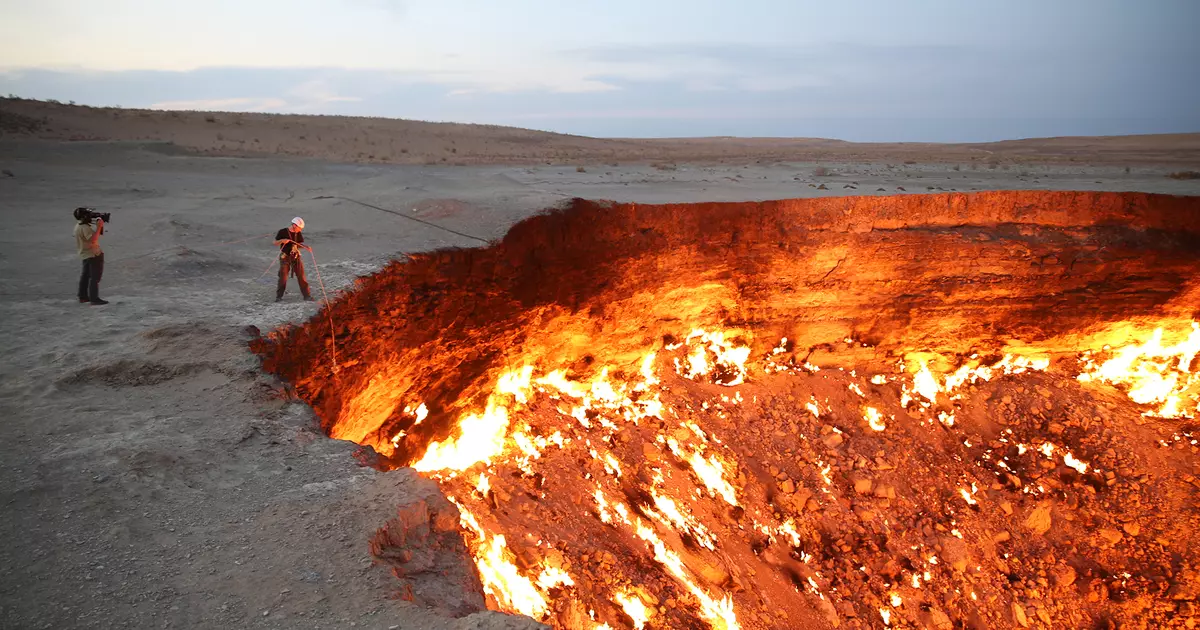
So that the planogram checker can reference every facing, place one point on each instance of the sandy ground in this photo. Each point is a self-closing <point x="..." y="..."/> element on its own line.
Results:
<point x="152" y="476"/>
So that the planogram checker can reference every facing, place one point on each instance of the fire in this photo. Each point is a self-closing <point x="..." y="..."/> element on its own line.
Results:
<point x="1153" y="374"/>
<point x="481" y="437"/>
<point x="600" y="406"/>
<point x="712" y="473"/>
<point x="501" y="578"/>
<point x="925" y="384"/>
<point x="634" y="607"/>
<point x="1070" y="460"/>
<point x="719" y="613"/>
<point x="874" y="418"/>
<point x="729" y="360"/>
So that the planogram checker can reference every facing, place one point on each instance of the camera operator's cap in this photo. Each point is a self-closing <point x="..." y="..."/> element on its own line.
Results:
<point x="298" y="222"/>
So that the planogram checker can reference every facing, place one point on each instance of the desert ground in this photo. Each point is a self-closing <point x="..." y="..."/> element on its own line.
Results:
<point x="153" y="476"/>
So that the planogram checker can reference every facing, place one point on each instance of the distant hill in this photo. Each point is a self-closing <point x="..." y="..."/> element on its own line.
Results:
<point x="388" y="140"/>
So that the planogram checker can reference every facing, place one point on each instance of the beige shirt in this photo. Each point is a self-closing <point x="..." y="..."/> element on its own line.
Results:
<point x="83" y="240"/>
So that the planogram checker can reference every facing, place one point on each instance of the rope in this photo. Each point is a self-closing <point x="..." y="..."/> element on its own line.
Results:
<point x="274" y="259"/>
<point x="401" y="214"/>
<point x="328" y="311"/>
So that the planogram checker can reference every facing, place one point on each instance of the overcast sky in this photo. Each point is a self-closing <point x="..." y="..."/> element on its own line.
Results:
<point x="912" y="70"/>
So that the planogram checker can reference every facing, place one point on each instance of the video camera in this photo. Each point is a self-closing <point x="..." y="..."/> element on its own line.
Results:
<point x="90" y="214"/>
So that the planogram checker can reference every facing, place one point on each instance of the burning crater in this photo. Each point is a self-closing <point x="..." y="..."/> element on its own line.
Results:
<point x="945" y="411"/>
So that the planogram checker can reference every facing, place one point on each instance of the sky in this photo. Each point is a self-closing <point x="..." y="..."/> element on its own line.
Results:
<point x="883" y="70"/>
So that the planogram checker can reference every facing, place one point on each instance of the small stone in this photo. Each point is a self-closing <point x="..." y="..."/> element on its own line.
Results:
<point x="1038" y="521"/>
<point x="862" y="485"/>
<point x="1002" y="537"/>
<point x="935" y="619"/>
<point x="833" y="440"/>
<point x="1111" y="536"/>
<point x="1133" y="529"/>
<point x="955" y="553"/>
<point x="787" y="486"/>
<point x="1018" y="613"/>
<point x="1062" y="575"/>
<point x="1007" y="507"/>
<point x="266" y="612"/>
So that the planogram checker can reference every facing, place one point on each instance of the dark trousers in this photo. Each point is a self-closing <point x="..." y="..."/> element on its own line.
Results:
<point x="295" y="266"/>
<point x="89" y="279"/>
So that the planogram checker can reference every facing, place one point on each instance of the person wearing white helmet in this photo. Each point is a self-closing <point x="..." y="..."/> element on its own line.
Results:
<point x="290" y="240"/>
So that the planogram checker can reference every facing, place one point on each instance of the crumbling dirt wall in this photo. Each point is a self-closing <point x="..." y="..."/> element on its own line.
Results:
<point x="950" y="274"/>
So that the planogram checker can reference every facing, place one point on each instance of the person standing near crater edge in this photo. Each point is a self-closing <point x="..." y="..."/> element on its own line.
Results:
<point x="290" y="241"/>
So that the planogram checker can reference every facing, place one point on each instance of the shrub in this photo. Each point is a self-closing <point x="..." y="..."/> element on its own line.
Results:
<point x="820" y="171"/>
<point x="580" y="169"/>
<point x="1185" y="175"/>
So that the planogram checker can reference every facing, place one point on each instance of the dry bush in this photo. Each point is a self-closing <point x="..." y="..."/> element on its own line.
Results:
<point x="664" y="166"/>
<point x="580" y="169"/>
<point x="1185" y="175"/>
<point x="820" y="171"/>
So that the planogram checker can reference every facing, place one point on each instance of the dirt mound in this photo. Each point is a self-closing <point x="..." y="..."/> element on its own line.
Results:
<point x="945" y="410"/>
<point x="133" y="373"/>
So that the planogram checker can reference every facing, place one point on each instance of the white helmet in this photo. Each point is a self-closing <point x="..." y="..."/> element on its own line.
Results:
<point x="298" y="222"/>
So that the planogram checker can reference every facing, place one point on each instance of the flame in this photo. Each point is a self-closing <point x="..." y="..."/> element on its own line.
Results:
<point x="502" y="580"/>
<point x="925" y="384"/>
<point x="1070" y="460"/>
<point x="500" y="577"/>
<point x="719" y="613"/>
<point x="730" y="360"/>
<point x="483" y="485"/>
<point x="712" y="473"/>
<point x="874" y="418"/>
<point x="634" y="607"/>
<point x="1153" y="374"/>
<point x="481" y="437"/>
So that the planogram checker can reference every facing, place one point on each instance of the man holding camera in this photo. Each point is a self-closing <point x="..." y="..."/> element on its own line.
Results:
<point x="290" y="241"/>
<point x="87" y="241"/>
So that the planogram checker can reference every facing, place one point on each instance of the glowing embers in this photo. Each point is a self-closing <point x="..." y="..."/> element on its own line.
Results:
<point x="1153" y="374"/>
